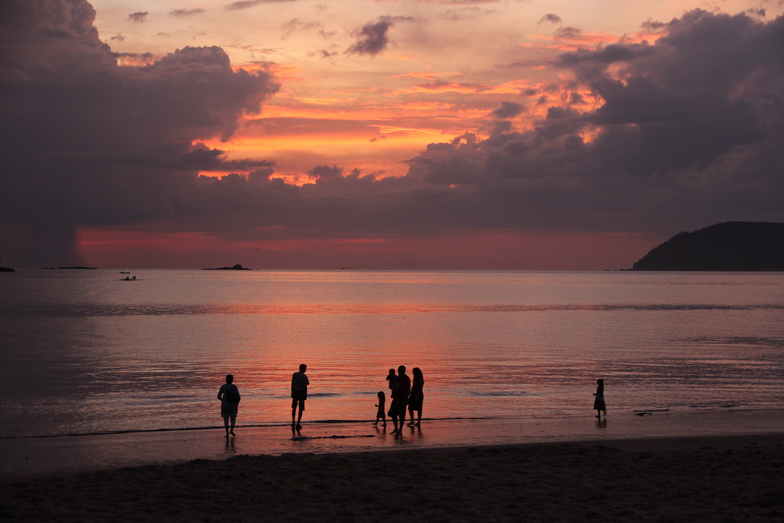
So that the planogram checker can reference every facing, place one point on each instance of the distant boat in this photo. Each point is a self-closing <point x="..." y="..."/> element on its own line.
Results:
<point x="125" y="272"/>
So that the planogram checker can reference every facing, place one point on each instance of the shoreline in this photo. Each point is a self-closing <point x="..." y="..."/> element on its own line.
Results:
<point x="707" y="478"/>
<point x="51" y="456"/>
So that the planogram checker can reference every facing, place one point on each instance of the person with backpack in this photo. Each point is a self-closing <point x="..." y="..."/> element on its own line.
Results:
<point x="229" y="395"/>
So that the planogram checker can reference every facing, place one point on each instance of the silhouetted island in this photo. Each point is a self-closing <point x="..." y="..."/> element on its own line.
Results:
<point x="729" y="246"/>
<point x="7" y="269"/>
<point x="237" y="267"/>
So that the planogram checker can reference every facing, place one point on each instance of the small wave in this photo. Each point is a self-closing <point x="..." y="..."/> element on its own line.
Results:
<point x="81" y="311"/>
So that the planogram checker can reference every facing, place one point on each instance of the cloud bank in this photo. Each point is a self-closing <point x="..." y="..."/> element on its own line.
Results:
<point x="687" y="131"/>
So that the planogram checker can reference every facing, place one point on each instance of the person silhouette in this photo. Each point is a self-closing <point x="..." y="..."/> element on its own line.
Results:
<point x="380" y="413"/>
<point x="392" y="379"/>
<point x="416" y="397"/>
<point x="299" y="393"/>
<point x="598" y="403"/>
<point x="229" y="396"/>
<point x="399" y="399"/>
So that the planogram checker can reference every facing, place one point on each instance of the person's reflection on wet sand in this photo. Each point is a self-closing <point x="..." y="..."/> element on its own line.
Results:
<point x="382" y="431"/>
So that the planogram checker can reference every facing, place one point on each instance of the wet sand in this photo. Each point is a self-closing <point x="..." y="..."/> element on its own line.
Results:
<point x="36" y="457"/>
<point x="692" y="469"/>
<point x="736" y="478"/>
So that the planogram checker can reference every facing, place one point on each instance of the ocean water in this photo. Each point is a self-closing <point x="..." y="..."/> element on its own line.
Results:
<point x="85" y="352"/>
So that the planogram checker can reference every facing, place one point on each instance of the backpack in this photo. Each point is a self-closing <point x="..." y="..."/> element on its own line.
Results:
<point x="233" y="394"/>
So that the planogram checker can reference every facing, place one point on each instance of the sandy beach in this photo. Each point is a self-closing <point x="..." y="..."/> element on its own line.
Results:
<point x="692" y="479"/>
<point x="677" y="475"/>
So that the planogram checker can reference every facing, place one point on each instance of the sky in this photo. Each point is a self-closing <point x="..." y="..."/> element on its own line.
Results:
<point x="364" y="134"/>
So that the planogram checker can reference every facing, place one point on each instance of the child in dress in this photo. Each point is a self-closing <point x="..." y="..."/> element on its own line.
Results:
<point x="381" y="413"/>
<point x="598" y="403"/>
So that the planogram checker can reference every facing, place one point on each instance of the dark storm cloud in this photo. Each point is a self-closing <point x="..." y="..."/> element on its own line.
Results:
<point x="371" y="38"/>
<point x="138" y="17"/>
<point x="186" y="12"/>
<point x="567" y="32"/>
<point x="508" y="110"/>
<point x="178" y="156"/>
<point x="325" y="172"/>
<point x="245" y="4"/>
<point x="550" y="18"/>
<point x="689" y="132"/>
<point x="606" y="55"/>
<point x="90" y="142"/>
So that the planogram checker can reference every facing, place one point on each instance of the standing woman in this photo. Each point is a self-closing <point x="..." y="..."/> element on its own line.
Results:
<point x="416" y="397"/>
<point x="229" y="395"/>
<point x="598" y="403"/>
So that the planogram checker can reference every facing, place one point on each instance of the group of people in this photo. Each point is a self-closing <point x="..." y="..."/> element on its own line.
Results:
<point x="229" y="396"/>
<point x="405" y="395"/>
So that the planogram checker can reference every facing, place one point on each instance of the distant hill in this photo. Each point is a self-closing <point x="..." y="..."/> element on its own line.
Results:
<point x="730" y="246"/>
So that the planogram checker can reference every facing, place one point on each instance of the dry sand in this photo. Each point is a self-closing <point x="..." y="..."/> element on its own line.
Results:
<point x="737" y="478"/>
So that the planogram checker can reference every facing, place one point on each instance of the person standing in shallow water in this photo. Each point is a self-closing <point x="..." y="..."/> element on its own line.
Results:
<point x="299" y="393"/>
<point x="400" y="399"/>
<point x="416" y="397"/>
<point x="598" y="403"/>
<point x="229" y="396"/>
<point x="381" y="408"/>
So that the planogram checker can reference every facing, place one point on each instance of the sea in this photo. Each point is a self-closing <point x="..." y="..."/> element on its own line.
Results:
<point x="97" y="351"/>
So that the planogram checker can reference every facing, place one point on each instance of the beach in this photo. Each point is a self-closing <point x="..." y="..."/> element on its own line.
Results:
<point x="705" y="473"/>
<point x="699" y="479"/>
<point x="110" y="413"/>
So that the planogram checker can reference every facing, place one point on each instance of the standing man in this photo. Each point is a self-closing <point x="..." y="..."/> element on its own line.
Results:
<point x="400" y="399"/>
<point x="229" y="396"/>
<point x="299" y="393"/>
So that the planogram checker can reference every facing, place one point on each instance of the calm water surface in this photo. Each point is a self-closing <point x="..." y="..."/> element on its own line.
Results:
<point x="87" y="352"/>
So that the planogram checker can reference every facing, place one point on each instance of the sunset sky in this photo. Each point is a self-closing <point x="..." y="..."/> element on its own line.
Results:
<point x="431" y="134"/>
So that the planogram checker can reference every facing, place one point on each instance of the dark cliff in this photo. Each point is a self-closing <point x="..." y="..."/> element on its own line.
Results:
<point x="730" y="246"/>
